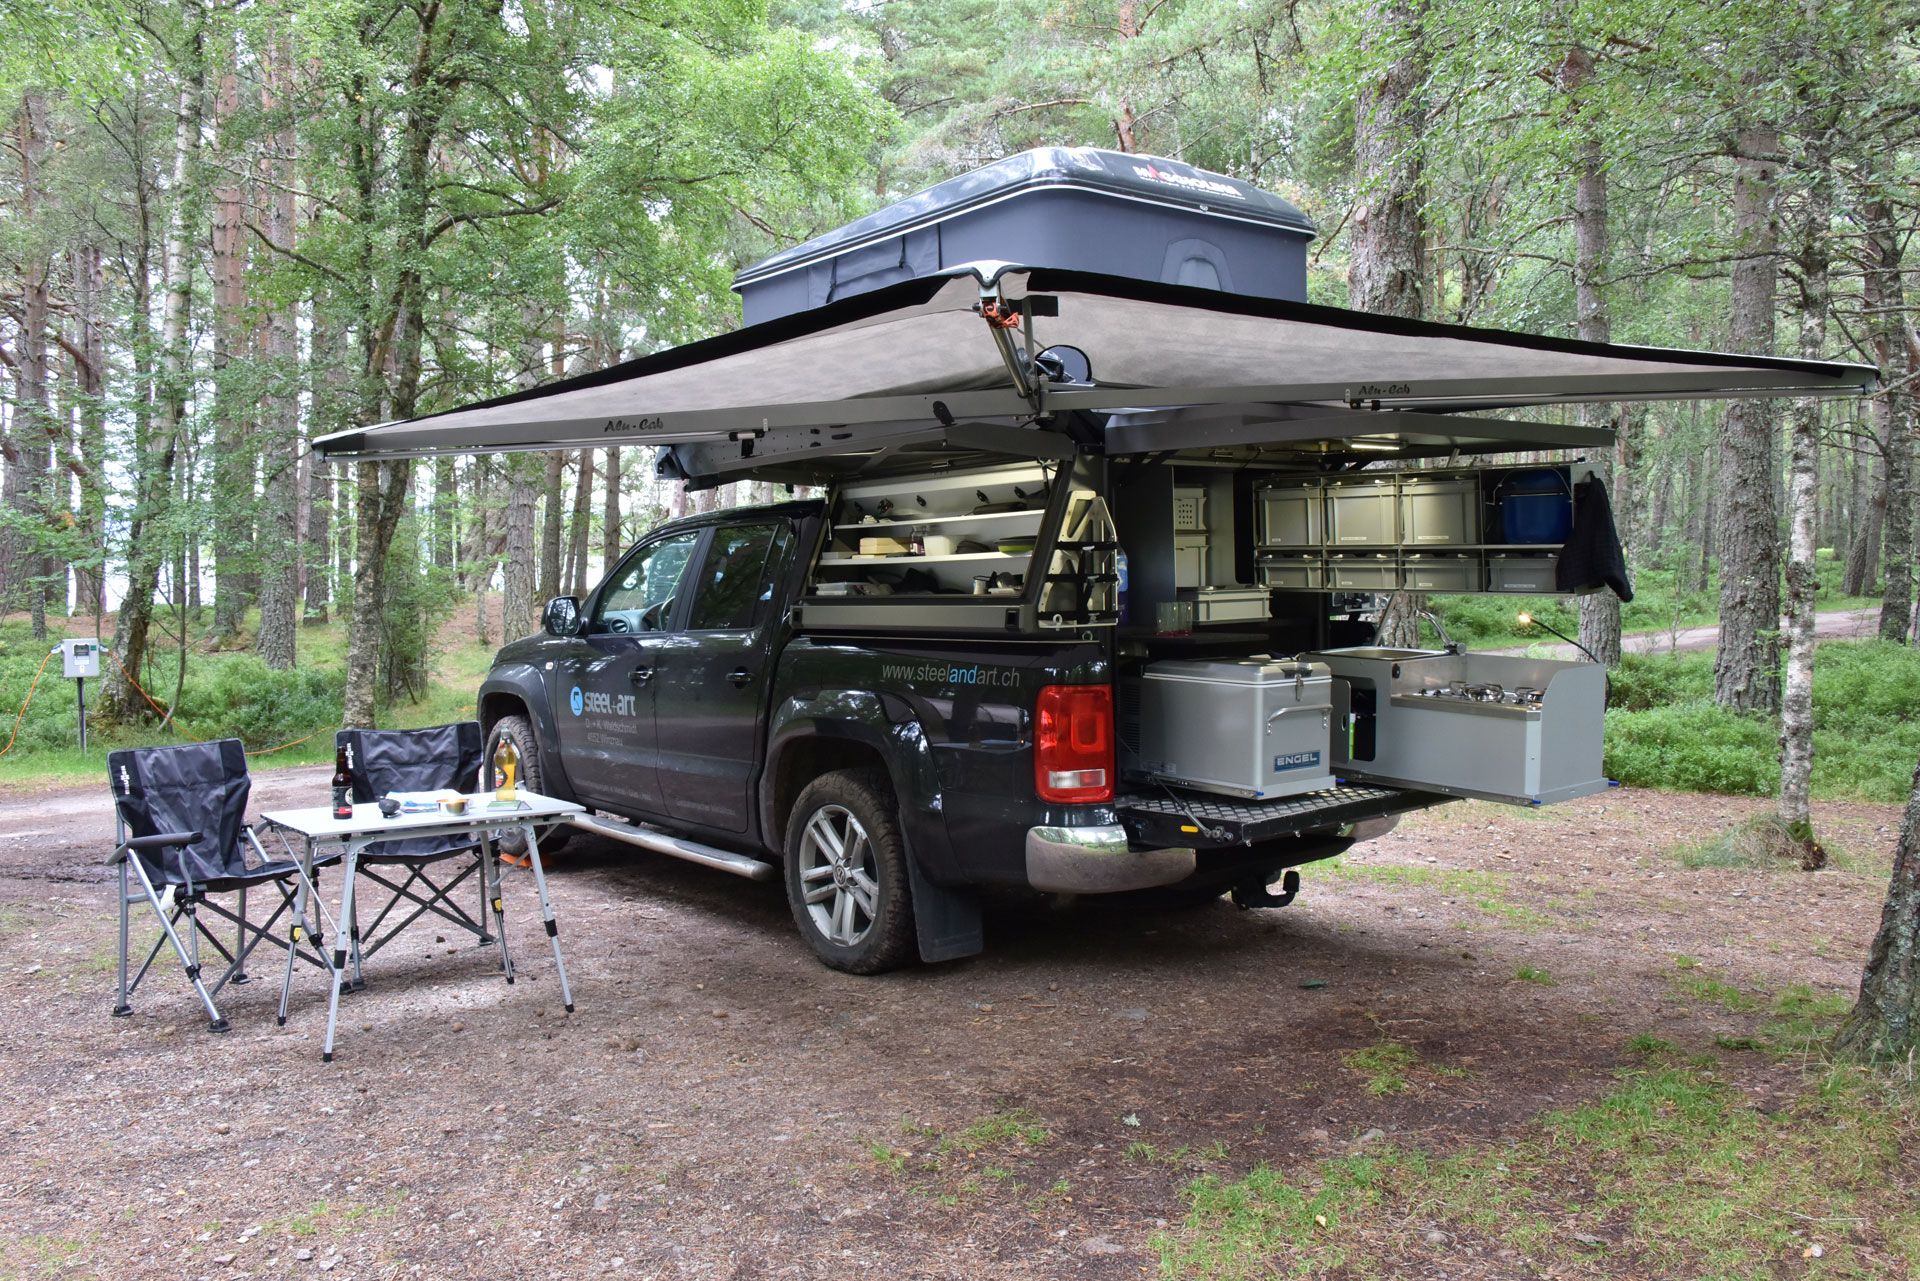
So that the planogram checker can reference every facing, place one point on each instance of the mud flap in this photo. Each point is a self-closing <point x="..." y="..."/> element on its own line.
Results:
<point x="946" y="922"/>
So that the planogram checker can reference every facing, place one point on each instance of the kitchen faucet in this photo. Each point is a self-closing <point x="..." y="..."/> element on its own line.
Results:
<point x="1447" y="642"/>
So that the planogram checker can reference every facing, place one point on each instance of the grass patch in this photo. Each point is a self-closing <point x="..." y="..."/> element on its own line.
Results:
<point x="1762" y="842"/>
<point x="1385" y="1064"/>
<point x="1664" y="731"/>
<point x="1533" y="974"/>
<point x="1015" y="1126"/>
<point x="1708" y="990"/>
<point x="1486" y="891"/>
<point x="1672" y="1173"/>
<point x="888" y="1159"/>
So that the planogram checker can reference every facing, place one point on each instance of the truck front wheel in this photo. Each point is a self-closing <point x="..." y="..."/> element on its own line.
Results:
<point x="520" y="731"/>
<point x="847" y="873"/>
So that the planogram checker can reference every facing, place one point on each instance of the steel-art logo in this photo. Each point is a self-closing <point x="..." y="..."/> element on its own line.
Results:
<point x="577" y="701"/>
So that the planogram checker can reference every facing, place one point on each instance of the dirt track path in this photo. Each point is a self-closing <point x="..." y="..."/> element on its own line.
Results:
<point x="720" y="1106"/>
<point x="1839" y="624"/>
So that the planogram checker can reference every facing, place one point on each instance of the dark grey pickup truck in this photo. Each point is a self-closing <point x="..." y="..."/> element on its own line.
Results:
<point x="886" y="776"/>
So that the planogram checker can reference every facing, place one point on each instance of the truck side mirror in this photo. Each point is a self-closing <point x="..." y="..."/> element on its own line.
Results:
<point x="561" y="616"/>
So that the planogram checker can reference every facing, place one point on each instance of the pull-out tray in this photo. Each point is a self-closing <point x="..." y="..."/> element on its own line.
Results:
<point x="1201" y="821"/>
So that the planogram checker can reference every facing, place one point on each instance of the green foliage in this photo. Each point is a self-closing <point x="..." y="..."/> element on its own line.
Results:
<point x="240" y="697"/>
<point x="1664" y="731"/>
<point x="1672" y="1173"/>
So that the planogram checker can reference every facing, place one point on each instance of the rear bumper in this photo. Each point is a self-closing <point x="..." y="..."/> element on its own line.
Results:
<point x="1098" y="860"/>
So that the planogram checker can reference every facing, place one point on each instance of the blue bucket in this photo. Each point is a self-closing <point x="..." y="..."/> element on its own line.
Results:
<point x="1536" y="506"/>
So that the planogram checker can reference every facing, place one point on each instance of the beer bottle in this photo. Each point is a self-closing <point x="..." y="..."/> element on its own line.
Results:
<point x="506" y="763"/>
<point x="342" y="784"/>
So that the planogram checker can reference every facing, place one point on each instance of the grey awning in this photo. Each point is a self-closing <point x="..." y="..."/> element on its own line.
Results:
<point x="915" y="365"/>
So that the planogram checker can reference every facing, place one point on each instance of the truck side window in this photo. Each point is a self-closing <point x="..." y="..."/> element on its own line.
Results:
<point x="733" y="586"/>
<point x="640" y="597"/>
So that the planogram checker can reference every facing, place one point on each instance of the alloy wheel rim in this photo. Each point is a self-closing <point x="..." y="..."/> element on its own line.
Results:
<point x="837" y="876"/>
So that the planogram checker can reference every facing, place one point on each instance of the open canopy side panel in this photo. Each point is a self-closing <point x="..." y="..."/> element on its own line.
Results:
<point x="941" y="368"/>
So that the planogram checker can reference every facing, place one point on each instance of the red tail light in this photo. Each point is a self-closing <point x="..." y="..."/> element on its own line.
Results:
<point x="1073" y="744"/>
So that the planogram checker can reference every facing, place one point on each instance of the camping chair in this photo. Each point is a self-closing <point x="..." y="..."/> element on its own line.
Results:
<point x="419" y="760"/>
<point x="181" y="817"/>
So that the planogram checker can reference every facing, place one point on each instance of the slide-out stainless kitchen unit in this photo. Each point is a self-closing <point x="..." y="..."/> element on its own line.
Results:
<point x="1523" y="730"/>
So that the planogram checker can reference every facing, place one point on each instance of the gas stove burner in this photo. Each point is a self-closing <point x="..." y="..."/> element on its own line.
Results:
<point x="1528" y="694"/>
<point x="1485" y="693"/>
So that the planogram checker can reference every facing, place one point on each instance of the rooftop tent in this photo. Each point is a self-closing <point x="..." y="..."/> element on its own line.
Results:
<point x="937" y="365"/>
<point x="1157" y="219"/>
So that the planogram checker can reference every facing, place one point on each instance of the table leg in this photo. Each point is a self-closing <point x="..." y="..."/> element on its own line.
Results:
<point x="340" y="949"/>
<point x="495" y="904"/>
<point x="546" y="912"/>
<point x="305" y="894"/>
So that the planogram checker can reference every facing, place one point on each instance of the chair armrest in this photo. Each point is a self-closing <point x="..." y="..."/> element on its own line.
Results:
<point x="158" y="841"/>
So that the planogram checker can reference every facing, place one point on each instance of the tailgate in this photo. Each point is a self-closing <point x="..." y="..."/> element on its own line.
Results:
<point x="1197" y="819"/>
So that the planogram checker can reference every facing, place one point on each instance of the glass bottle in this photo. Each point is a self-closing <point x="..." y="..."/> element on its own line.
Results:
<point x="342" y="783"/>
<point x="506" y="764"/>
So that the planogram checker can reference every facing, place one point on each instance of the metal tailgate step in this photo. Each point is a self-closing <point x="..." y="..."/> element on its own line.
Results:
<point x="675" y="846"/>
<point x="1165" y="818"/>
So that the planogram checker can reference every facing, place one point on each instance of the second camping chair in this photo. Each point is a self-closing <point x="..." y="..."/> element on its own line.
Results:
<point x="419" y="873"/>
<point x="181" y="813"/>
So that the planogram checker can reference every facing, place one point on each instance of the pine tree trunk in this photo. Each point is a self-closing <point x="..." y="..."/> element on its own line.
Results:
<point x="1885" y="1022"/>
<point x="1885" y="305"/>
<point x="232" y="455"/>
<point x="1592" y="251"/>
<point x="156" y="448"/>
<point x="554" y="517"/>
<point x="446" y="505"/>
<point x="1870" y="503"/>
<point x="279" y="438"/>
<point x="610" y="547"/>
<point x="1746" y="670"/>
<point x="1387" y="270"/>
<point x="582" y="519"/>
<point x="520" y="615"/>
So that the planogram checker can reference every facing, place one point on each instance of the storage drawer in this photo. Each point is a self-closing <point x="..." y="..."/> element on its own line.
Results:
<point x="1298" y="573"/>
<point x="1442" y="573"/>
<point x="1364" y="514"/>
<point x="1363" y="573"/>
<point x="1293" y="516"/>
<point x="1189" y="560"/>
<point x="1521" y="574"/>
<point x="1229" y="604"/>
<point x="1440" y="513"/>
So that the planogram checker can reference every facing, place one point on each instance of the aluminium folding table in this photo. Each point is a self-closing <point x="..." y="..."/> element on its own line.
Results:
<point x="369" y="827"/>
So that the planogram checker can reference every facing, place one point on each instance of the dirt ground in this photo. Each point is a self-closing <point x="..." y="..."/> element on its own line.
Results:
<point x="721" y="1106"/>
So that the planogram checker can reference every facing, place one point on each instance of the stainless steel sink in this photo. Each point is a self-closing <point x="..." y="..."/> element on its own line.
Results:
<point x="1385" y="653"/>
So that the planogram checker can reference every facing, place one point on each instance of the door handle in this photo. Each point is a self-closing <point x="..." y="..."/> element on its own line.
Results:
<point x="740" y="677"/>
<point x="641" y="675"/>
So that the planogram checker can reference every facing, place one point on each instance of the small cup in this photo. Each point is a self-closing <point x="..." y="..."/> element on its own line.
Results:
<point x="454" y="805"/>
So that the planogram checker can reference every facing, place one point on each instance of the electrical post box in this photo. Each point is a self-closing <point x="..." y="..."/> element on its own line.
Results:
<point x="80" y="658"/>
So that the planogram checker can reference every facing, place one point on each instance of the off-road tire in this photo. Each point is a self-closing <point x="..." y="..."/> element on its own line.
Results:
<point x="520" y="730"/>
<point x="866" y="796"/>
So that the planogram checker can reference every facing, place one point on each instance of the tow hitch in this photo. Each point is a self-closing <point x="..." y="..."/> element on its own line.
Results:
<point x="1253" y="894"/>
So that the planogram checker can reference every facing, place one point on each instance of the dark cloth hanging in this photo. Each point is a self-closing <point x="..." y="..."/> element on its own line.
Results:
<point x="1592" y="557"/>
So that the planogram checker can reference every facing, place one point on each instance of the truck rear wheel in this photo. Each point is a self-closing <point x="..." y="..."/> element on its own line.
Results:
<point x="847" y="873"/>
<point x="520" y="730"/>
